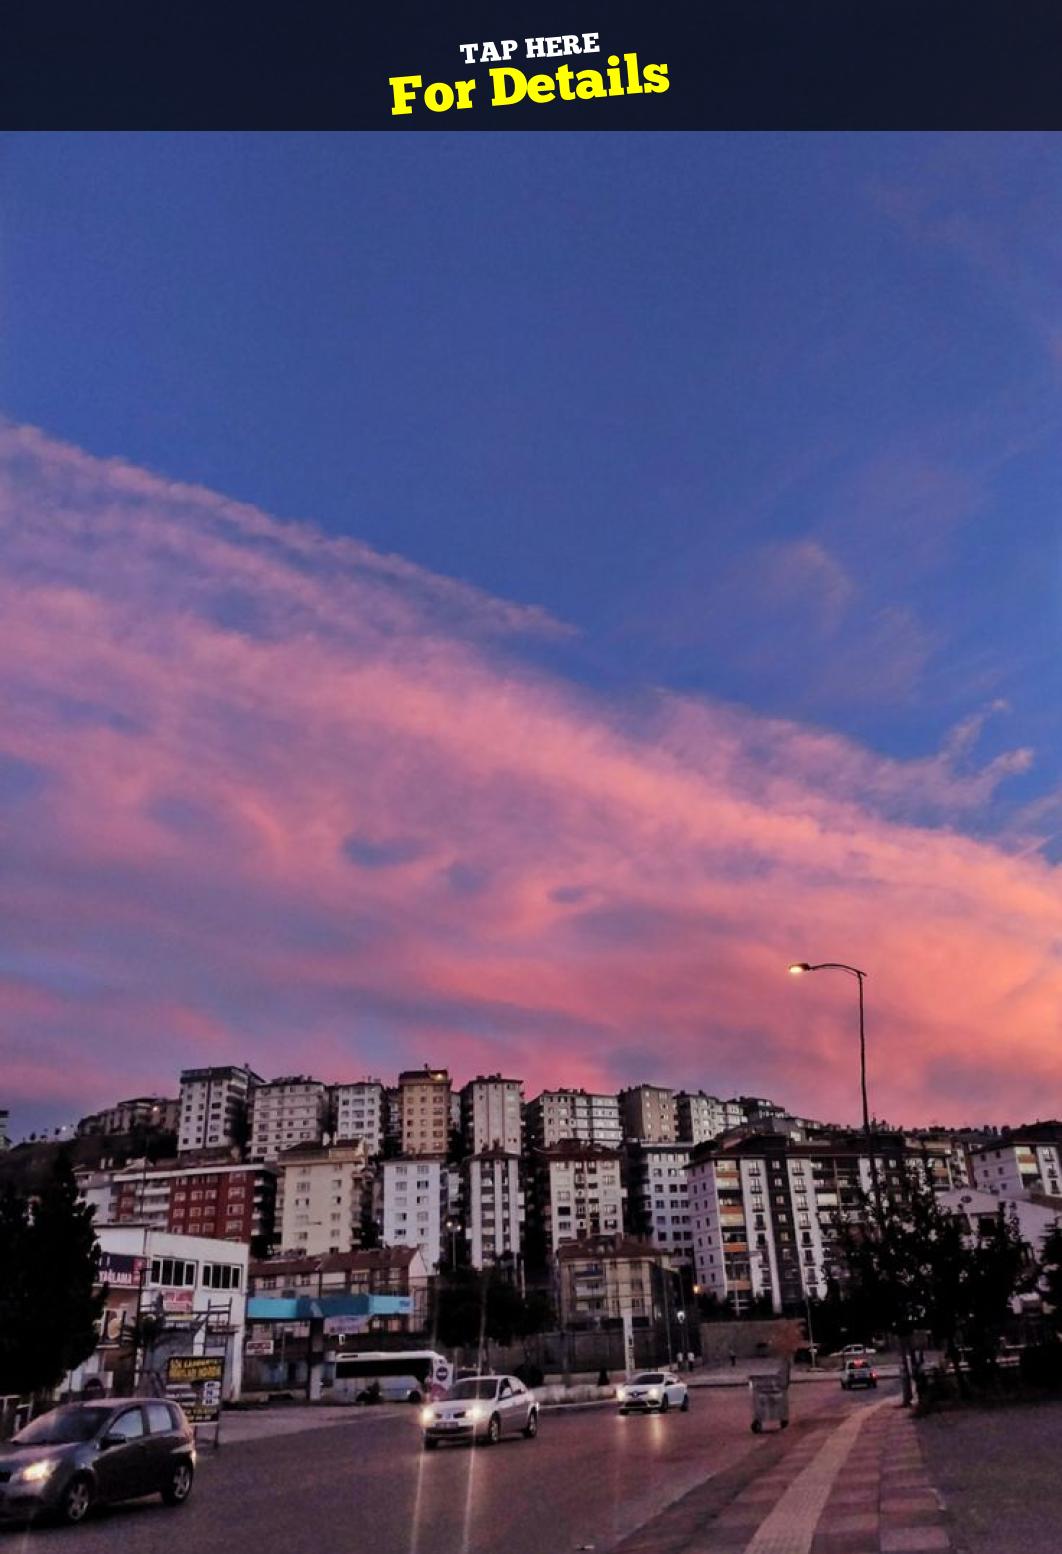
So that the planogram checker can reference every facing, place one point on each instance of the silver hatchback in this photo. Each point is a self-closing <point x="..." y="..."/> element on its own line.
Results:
<point x="481" y="1408"/>
<point x="85" y="1454"/>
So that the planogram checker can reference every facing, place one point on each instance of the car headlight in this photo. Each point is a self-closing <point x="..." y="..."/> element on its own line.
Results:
<point x="621" y="1393"/>
<point x="427" y="1416"/>
<point x="477" y="1411"/>
<point x="654" y="1394"/>
<point x="37" y="1472"/>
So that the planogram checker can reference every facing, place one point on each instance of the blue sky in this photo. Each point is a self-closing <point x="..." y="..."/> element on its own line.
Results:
<point x="765" y="420"/>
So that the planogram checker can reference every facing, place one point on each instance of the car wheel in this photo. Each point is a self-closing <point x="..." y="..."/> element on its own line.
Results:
<point x="77" y="1500"/>
<point x="493" y="1435"/>
<point x="430" y="1444"/>
<point x="664" y="1404"/>
<point x="531" y="1427"/>
<point x="685" y="1404"/>
<point x="179" y="1485"/>
<point x="756" y="1427"/>
<point x="413" y="1397"/>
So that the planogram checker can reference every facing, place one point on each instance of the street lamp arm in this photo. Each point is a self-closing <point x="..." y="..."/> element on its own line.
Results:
<point x="836" y="965"/>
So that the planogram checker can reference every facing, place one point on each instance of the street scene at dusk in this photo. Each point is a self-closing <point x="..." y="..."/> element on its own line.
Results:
<point x="530" y="813"/>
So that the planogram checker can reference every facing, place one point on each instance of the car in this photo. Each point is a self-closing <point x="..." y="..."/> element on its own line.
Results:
<point x="854" y="1351"/>
<point x="858" y="1373"/>
<point x="652" y="1389"/>
<point x="481" y="1408"/>
<point x="81" y="1455"/>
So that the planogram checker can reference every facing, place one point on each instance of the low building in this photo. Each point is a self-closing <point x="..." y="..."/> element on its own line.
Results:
<point x="382" y="1271"/>
<point x="605" y="1278"/>
<point x="147" y="1113"/>
<point x="1021" y="1162"/>
<point x="194" y="1290"/>
<point x="980" y="1210"/>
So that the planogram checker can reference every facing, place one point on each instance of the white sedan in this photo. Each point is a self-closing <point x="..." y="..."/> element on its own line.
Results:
<point x="481" y="1408"/>
<point x="653" y="1389"/>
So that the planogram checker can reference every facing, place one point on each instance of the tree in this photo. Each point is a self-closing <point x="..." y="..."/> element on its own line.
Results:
<point x="50" y="1304"/>
<point x="1051" y="1276"/>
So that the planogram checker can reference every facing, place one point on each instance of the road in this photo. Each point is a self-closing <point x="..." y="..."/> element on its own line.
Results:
<point x="590" y="1479"/>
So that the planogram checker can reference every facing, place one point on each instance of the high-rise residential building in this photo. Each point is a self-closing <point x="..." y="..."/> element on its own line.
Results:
<point x="556" y="1115"/>
<point x="285" y="1112"/>
<point x="648" y="1112"/>
<point x="701" y="1117"/>
<point x="492" y="1114"/>
<point x="764" y="1209"/>
<point x="324" y="1197"/>
<point x="392" y="1110"/>
<point x="5" y="1116"/>
<point x="214" y="1108"/>
<point x="577" y="1192"/>
<point x="493" y="1208"/>
<point x="424" y="1109"/>
<point x="412" y="1197"/>
<point x="658" y="1202"/>
<point x="359" y="1112"/>
<point x="1014" y="1165"/>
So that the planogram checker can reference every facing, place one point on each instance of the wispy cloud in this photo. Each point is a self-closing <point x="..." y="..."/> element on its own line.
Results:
<point x="274" y="797"/>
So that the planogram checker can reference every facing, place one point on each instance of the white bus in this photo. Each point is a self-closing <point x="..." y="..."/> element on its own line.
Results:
<point x="392" y="1376"/>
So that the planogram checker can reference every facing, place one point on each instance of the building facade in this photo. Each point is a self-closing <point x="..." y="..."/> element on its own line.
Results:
<point x="492" y="1115"/>
<point x="1012" y="1167"/>
<point x="424" y="1097"/>
<point x="286" y="1112"/>
<point x="413" y="1195"/>
<point x="324" y="1198"/>
<point x="215" y="1108"/>
<point x="559" y="1115"/>
<point x="149" y="1112"/>
<point x="649" y="1112"/>
<point x="493" y="1208"/>
<point x="658" y="1197"/>
<point x="578" y="1193"/>
<point x="602" y="1280"/>
<point x="359" y="1112"/>
<point x="226" y="1202"/>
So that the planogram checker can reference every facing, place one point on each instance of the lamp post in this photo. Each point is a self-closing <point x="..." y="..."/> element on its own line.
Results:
<point x="796" y="970"/>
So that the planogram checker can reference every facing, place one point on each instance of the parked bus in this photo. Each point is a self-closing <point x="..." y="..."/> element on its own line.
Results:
<point x="392" y="1376"/>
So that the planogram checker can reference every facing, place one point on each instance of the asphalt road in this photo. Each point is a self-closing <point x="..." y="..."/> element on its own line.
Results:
<point x="589" y="1479"/>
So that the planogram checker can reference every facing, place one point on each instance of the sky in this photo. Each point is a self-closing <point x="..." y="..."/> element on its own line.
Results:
<point x="495" y="600"/>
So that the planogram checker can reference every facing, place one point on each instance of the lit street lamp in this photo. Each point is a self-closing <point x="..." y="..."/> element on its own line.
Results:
<point x="796" y="970"/>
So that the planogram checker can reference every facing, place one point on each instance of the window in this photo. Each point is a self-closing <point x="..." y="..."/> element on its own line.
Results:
<point x="129" y="1425"/>
<point x="173" y="1272"/>
<point x="221" y="1276"/>
<point x="160" y="1418"/>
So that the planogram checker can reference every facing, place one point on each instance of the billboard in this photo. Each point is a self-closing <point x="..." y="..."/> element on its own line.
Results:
<point x="120" y="1270"/>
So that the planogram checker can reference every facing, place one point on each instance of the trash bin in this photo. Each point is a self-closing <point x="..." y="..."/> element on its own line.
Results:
<point x="770" y="1401"/>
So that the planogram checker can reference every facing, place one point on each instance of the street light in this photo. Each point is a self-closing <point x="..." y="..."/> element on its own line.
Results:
<point x="797" y="969"/>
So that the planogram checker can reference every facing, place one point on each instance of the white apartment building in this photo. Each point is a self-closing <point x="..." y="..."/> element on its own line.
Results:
<point x="1011" y="1167"/>
<point x="493" y="1208"/>
<point x="763" y="1210"/>
<point x="324" y="1195"/>
<point x="285" y="1112"/>
<point x="413" y="1195"/>
<point x="649" y="1112"/>
<point x="557" y="1115"/>
<point x="424" y="1103"/>
<point x="579" y="1192"/>
<point x="359" y="1112"/>
<point x="214" y="1107"/>
<point x="492" y="1114"/>
<point x="658" y="1197"/>
<point x="980" y="1210"/>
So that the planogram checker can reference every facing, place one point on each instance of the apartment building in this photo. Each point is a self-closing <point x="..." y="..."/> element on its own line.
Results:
<point x="558" y="1115"/>
<point x="413" y="1198"/>
<point x="285" y="1112"/>
<point x="493" y="1208"/>
<point x="214" y="1108"/>
<point x="658" y="1197"/>
<point x="5" y="1123"/>
<point x="226" y="1202"/>
<point x="359" y="1111"/>
<point x="577" y="1192"/>
<point x="148" y="1112"/>
<point x="764" y="1210"/>
<point x="324" y="1198"/>
<point x="649" y="1112"/>
<point x="492" y="1114"/>
<point x="424" y="1101"/>
<point x="605" y="1279"/>
<point x="1014" y="1165"/>
<point x="386" y="1270"/>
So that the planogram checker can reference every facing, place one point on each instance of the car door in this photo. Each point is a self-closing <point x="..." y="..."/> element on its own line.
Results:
<point x="521" y="1405"/>
<point x="505" y="1405"/>
<point x="123" y="1464"/>
<point x="162" y="1443"/>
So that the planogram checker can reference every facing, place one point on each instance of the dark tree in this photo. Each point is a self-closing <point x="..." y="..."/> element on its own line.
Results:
<point x="50" y="1305"/>
<point x="1051" y="1277"/>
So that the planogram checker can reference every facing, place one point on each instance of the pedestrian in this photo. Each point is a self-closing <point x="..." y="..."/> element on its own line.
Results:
<point x="733" y="1356"/>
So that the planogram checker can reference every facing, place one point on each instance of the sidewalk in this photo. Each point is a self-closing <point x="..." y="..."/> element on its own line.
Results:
<point x="855" y="1486"/>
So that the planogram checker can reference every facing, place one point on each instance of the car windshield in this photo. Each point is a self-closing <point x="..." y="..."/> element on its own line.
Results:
<point x="476" y="1387"/>
<point x="649" y="1379"/>
<point x="62" y="1426"/>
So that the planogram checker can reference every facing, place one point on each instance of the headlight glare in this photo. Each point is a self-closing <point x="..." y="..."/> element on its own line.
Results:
<point x="37" y="1472"/>
<point x="427" y="1416"/>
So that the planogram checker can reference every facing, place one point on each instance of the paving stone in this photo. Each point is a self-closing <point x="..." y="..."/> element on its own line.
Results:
<point x="914" y="1540"/>
<point x="843" y="1543"/>
<point x="900" y="1505"/>
<point x="848" y="1521"/>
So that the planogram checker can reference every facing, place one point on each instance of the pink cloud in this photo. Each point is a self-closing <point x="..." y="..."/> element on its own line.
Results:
<point x="292" y="804"/>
